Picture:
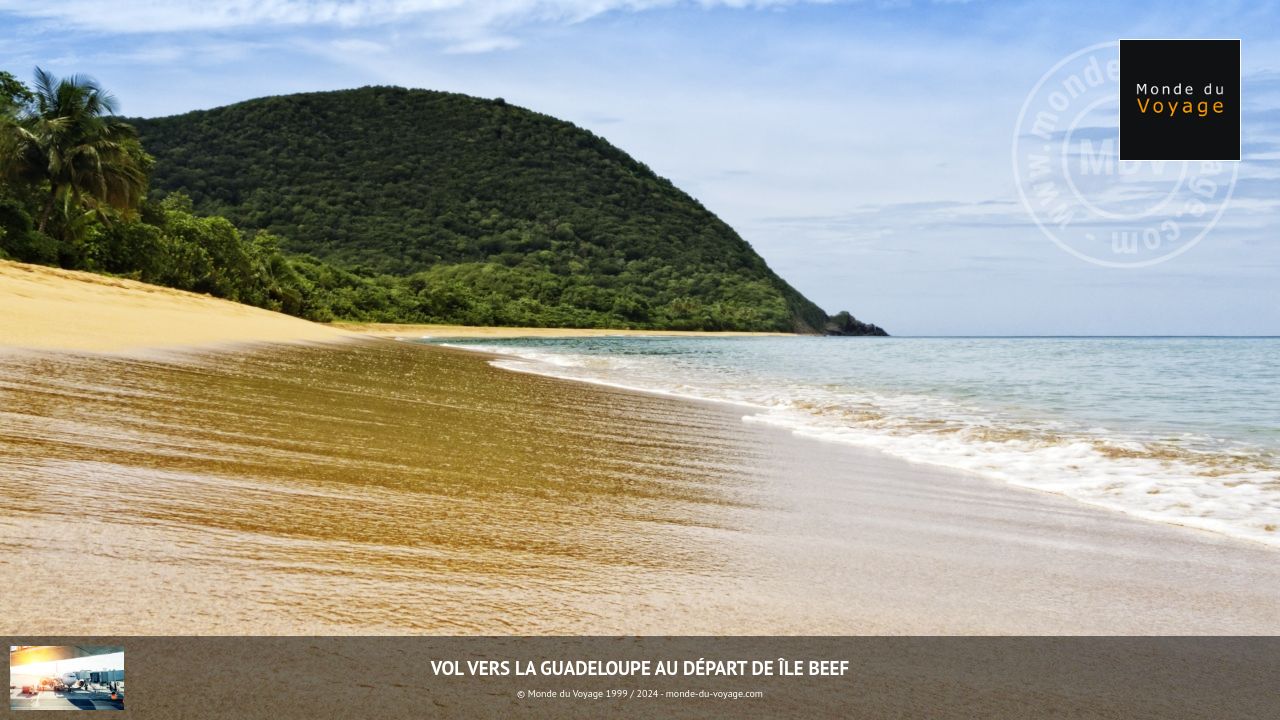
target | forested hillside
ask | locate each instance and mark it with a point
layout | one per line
(485, 212)
(377, 205)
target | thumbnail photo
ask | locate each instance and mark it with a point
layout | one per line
(66, 677)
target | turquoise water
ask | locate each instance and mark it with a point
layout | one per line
(1182, 430)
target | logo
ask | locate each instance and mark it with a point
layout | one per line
(1180, 99)
(1083, 196)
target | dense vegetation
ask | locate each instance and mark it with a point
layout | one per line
(377, 204)
(842, 323)
(73, 183)
(505, 215)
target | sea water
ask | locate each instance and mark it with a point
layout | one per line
(1179, 430)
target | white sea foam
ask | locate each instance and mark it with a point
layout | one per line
(1186, 478)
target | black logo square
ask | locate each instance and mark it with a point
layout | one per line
(1179, 99)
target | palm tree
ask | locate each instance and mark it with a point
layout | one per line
(68, 139)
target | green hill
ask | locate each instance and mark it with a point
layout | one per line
(486, 212)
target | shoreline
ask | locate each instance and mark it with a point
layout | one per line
(374, 487)
(403, 488)
(418, 332)
(47, 308)
(760, 414)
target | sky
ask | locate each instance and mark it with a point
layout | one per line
(865, 149)
(110, 661)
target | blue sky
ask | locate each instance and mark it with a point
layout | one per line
(863, 148)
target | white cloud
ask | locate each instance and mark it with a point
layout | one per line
(458, 26)
(483, 44)
(467, 17)
(357, 45)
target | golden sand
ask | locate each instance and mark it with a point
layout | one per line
(369, 487)
(372, 487)
(398, 330)
(54, 309)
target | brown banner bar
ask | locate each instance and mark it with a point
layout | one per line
(280, 678)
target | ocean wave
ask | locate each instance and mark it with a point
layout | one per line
(1190, 479)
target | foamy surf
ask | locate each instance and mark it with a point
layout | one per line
(1046, 438)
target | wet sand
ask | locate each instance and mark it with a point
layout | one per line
(375, 486)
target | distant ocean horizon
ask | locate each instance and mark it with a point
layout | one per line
(1086, 337)
(1178, 429)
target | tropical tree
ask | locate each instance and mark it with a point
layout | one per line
(13, 95)
(67, 141)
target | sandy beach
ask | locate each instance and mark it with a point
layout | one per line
(370, 487)
(395, 330)
(57, 309)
